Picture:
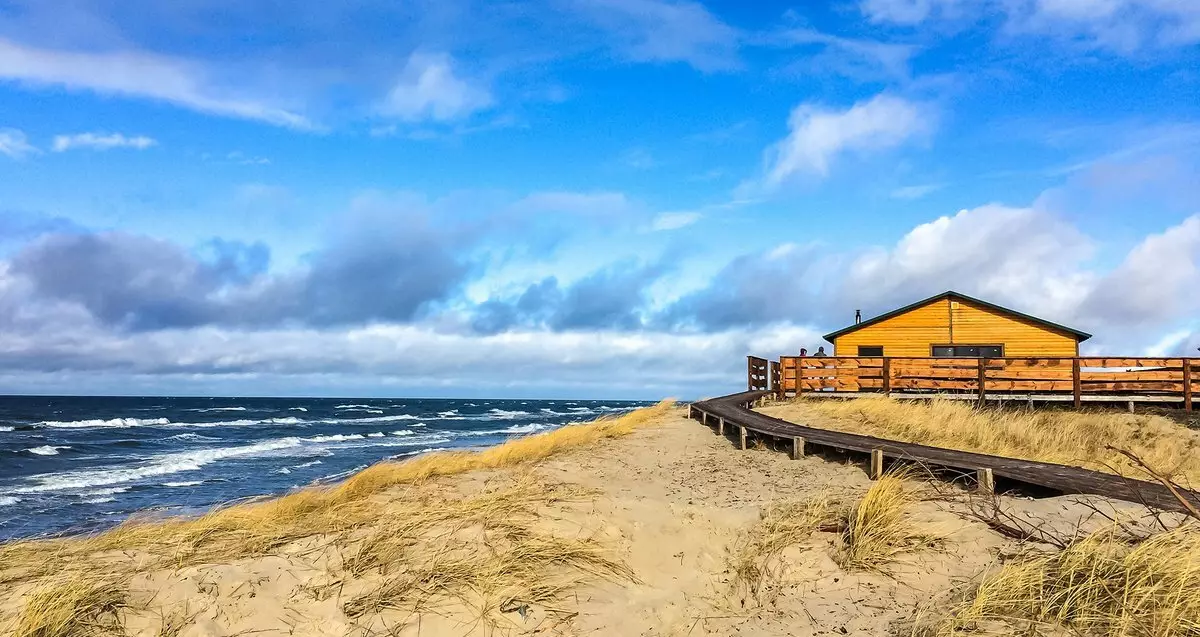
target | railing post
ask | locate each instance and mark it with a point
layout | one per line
(887, 375)
(982, 371)
(1076, 386)
(799, 377)
(749, 373)
(1187, 384)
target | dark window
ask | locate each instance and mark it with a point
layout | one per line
(870, 350)
(969, 351)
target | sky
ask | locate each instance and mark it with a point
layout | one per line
(575, 198)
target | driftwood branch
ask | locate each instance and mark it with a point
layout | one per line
(1162, 479)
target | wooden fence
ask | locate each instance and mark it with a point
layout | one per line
(1077, 379)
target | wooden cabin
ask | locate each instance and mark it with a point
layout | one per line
(956, 325)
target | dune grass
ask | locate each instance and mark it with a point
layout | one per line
(1105, 583)
(1079, 438)
(872, 531)
(77, 601)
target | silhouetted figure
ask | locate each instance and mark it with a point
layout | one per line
(820, 351)
(803, 352)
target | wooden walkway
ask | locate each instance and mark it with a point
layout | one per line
(733, 412)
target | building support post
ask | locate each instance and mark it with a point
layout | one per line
(876, 464)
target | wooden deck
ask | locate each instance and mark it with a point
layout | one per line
(733, 412)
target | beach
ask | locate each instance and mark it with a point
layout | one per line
(643, 528)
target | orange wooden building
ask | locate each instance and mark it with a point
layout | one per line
(956, 325)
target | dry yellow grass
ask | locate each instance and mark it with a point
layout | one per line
(878, 528)
(872, 531)
(1066, 437)
(77, 602)
(1103, 584)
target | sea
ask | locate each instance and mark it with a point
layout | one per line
(81, 464)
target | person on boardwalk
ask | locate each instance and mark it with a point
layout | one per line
(803, 352)
(820, 351)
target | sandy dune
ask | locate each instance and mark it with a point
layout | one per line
(670, 501)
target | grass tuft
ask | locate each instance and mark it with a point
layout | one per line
(871, 532)
(878, 527)
(1105, 583)
(79, 604)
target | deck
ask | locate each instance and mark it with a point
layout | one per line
(734, 411)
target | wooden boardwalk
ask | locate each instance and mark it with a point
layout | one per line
(733, 412)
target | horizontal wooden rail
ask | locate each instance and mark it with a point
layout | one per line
(734, 414)
(1080, 379)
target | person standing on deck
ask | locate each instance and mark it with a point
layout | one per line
(820, 351)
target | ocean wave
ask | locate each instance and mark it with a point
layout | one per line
(219, 409)
(298, 408)
(351, 406)
(287, 420)
(112, 422)
(515, 429)
(311, 463)
(6, 428)
(403, 432)
(162, 465)
(190, 436)
(6, 500)
(501, 414)
(100, 492)
(452, 412)
(186, 483)
(282, 470)
(354, 421)
(46, 450)
(99, 500)
(377, 434)
(335, 438)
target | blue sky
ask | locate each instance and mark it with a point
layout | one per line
(586, 198)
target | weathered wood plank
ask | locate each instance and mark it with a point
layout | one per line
(1132, 376)
(1094, 361)
(1156, 386)
(1028, 385)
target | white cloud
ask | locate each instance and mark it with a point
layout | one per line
(674, 220)
(136, 74)
(14, 144)
(916, 192)
(817, 135)
(667, 31)
(1159, 278)
(429, 89)
(851, 57)
(101, 141)
(1120, 25)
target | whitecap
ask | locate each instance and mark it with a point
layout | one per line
(112, 422)
(289, 420)
(353, 421)
(6, 428)
(46, 450)
(298, 408)
(377, 434)
(501, 414)
(98, 500)
(282, 470)
(307, 464)
(403, 432)
(335, 438)
(352, 407)
(191, 437)
(187, 483)
(219, 409)
(515, 429)
(452, 412)
(6, 500)
(165, 464)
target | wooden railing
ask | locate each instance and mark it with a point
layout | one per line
(756, 374)
(1077, 379)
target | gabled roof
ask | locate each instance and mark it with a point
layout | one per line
(1079, 336)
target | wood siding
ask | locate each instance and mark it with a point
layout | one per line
(953, 321)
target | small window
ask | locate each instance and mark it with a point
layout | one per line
(870, 350)
(969, 351)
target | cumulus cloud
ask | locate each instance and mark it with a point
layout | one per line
(666, 31)
(101, 141)
(817, 135)
(14, 144)
(429, 89)
(139, 74)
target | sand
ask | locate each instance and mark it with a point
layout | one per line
(670, 501)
